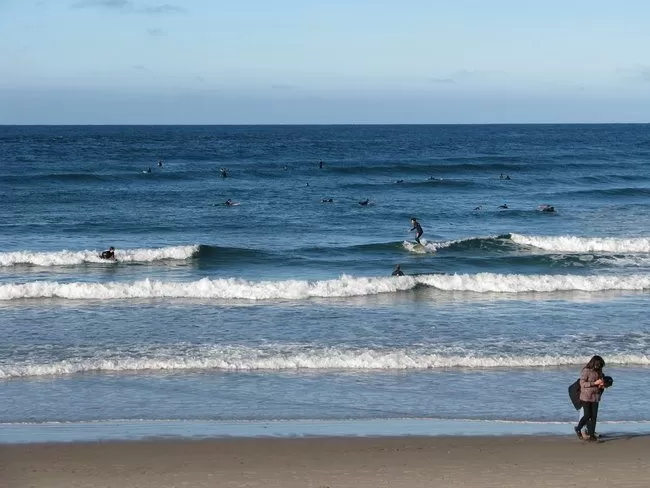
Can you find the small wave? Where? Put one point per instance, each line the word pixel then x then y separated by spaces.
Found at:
pixel 585 244
pixel 345 286
pixel 296 357
pixel 470 243
pixel 612 192
pixel 72 258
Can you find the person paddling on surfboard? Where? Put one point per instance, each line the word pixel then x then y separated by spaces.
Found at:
pixel 109 254
pixel 417 228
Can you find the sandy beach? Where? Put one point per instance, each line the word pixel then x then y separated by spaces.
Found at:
pixel 399 462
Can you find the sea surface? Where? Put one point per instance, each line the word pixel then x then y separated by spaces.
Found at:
pixel 282 308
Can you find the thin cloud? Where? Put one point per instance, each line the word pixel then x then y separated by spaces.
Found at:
pixel 639 73
pixel 468 75
pixel 128 6
pixel 117 4
pixel 448 81
pixel 156 32
pixel 162 9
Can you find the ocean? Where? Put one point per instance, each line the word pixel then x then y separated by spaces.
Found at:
pixel 282 308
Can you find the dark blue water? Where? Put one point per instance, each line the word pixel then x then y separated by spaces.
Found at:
pixel 282 306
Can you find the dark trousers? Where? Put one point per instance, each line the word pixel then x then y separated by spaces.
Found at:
pixel 589 417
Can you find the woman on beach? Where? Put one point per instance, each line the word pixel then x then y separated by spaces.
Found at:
pixel 591 389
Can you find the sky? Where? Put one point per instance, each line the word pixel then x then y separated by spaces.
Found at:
pixel 324 62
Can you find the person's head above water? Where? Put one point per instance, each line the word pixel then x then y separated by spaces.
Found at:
pixel 111 248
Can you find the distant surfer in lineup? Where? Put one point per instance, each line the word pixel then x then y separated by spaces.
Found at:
pixel 398 271
pixel 320 164
pixel 229 203
pixel 364 202
pixel 109 254
pixel 546 208
pixel 160 163
pixel 504 206
pixel 224 172
pixel 417 228
pixel 327 200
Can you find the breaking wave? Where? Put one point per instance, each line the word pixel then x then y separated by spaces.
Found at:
pixel 345 286
pixel 296 357
pixel 585 244
pixel 73 258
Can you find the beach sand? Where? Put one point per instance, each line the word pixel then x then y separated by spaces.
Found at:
pixel 331 462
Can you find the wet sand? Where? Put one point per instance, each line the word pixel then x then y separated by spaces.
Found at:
pixel 331 462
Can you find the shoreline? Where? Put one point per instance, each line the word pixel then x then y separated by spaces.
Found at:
pixel 187 430
pixel 331 462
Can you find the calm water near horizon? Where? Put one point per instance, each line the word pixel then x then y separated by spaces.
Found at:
pixel 282 308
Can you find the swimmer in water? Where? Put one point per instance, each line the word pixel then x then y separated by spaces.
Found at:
pixel 109 254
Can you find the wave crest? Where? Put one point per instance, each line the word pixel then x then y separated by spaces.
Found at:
pixel 345 286
pixel 73 258
pixel 279 358
pixel 585 244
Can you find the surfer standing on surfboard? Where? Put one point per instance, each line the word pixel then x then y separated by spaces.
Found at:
pixel 417 228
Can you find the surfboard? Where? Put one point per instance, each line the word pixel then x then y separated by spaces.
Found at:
pixel 574 394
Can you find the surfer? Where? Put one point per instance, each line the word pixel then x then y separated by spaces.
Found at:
pixel 109 254
pixel 364 202
pixel 417 228
pixel 224 172
pixel 478 208
pixel 160 163
pixel 327 200
pixel 504 206
pixel 398 271
pixel 546 208
pixel 592 385
pixel 228 203
pixel 320 164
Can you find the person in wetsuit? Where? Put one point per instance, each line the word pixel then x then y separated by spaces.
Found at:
pixel 417 228
pixel 109 254
pixel 398 271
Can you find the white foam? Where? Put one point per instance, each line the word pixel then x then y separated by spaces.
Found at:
pixel 72 258
pixel 227 288
pixel 585 244
pixel 345 286
pixel 424 247
pixel 294 357
pixel 518 283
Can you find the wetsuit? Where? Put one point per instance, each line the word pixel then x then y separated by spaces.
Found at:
pixel 108 255
pixel 418 231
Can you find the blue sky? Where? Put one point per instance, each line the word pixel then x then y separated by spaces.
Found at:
pixel 353 61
